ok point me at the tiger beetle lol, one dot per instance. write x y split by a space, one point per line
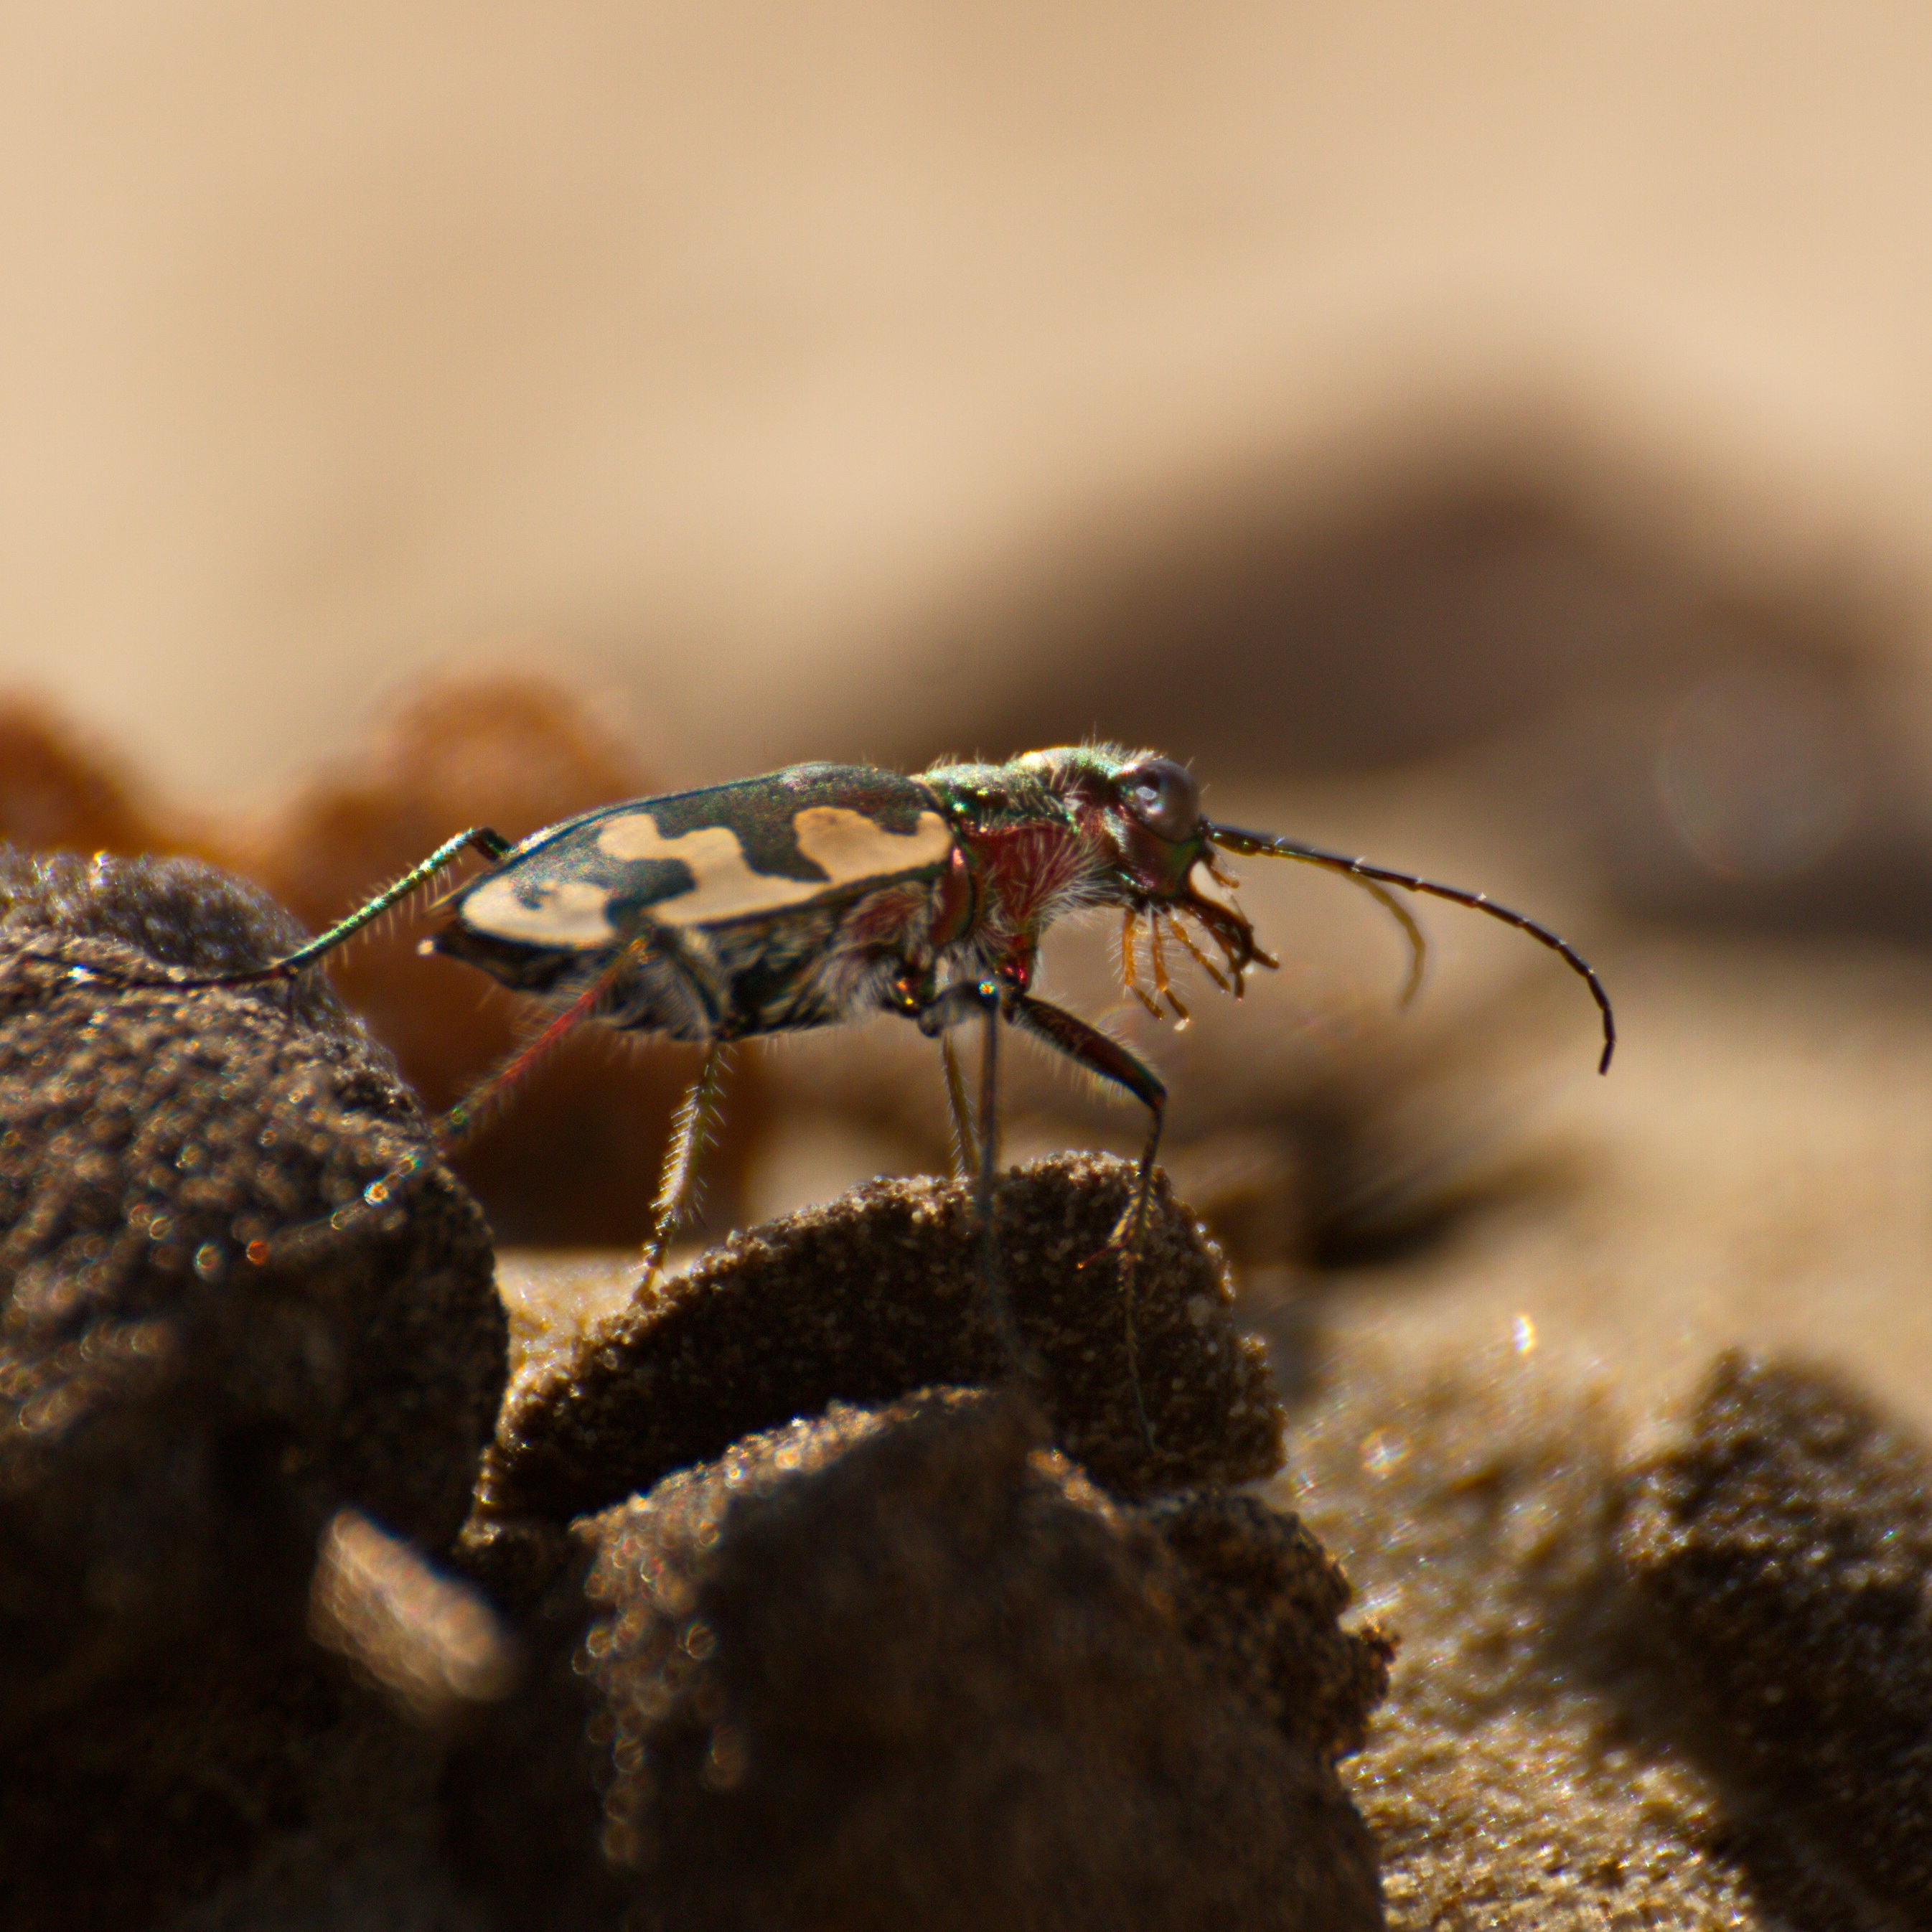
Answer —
823 893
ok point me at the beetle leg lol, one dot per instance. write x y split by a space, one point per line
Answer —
989 1160
479 839
961 1001
909 995
1086 1046
462 1119
965 1146
695 1120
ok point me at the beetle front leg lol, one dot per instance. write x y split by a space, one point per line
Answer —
961 1001
965 1142
1086 1046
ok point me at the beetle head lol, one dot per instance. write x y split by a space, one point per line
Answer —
1142 811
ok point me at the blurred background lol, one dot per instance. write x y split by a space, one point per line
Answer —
1497 438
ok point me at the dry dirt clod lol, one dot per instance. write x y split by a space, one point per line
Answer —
1785 1543
910 1667
178 1419
879 1294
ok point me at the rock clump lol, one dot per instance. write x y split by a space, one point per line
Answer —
806 1609
198 1371
1785 1542
880 1293
908 1666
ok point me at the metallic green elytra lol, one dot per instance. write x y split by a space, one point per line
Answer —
824 892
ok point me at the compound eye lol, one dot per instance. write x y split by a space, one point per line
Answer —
1164 797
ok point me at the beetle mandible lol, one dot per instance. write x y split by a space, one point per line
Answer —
824 892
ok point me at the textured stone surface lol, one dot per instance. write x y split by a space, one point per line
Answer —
1785 1542
1687 1692
878 1294
180 1419
911 1667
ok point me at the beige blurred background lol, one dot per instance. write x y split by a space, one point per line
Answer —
800 377
1491 435
1496 435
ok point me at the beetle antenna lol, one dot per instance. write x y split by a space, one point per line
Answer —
1418 943
1262 844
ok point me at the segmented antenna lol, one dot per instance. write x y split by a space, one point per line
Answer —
1265 845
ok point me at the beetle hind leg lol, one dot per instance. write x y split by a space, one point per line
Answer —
379 1196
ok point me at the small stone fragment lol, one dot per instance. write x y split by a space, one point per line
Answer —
879 1294
1785 1544
432 1641
910 1667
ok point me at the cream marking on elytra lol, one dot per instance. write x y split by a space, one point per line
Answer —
849 846
568 912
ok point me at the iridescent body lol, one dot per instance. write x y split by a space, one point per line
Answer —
823 893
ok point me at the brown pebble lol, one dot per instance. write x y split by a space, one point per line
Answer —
1785 1544
878 1294
177 1418
1261 1597
432 1642
910 1667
